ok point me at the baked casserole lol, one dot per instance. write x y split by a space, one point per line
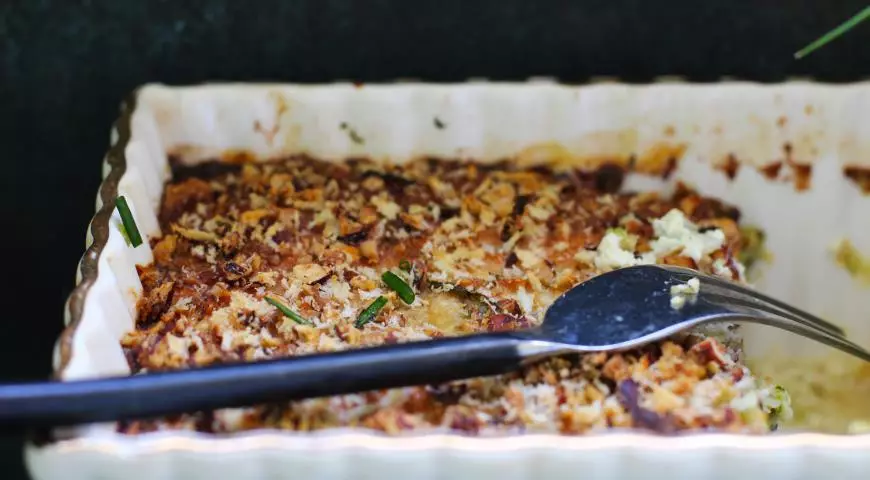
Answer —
296 256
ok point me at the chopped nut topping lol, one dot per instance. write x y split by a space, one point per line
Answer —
484 248
164 248
196 235
252 217
310 272
386 207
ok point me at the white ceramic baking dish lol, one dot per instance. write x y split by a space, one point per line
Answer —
707 132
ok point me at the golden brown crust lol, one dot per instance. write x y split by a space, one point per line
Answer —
490 247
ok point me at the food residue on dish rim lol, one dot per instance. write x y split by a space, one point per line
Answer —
802 171
771 170
799 173
730 166
853 261
859 175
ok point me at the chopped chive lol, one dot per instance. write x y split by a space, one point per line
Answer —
354 136
130 228
370 312
287 312
123 233
405 292
405 266
833 34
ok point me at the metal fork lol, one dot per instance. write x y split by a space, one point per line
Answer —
619 310
633 307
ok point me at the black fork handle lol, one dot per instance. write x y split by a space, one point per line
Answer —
58 403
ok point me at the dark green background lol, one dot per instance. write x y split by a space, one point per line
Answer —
66 65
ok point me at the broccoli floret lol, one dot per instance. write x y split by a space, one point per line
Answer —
777 404
752 248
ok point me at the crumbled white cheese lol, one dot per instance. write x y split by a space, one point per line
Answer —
675 232
511 242
178 345
230 417
683 292
611 255
322 217
588 414
526 301
745 402
586 257
741 271
260 354
527 258
705 394
327 343
438 276
672 233
266 278
412 335
348 311
211 254
540 401
240 302
539 213
197 340
336 289
534 281
692 287
270 233
720 268
386 207
377 292
369 273
183 303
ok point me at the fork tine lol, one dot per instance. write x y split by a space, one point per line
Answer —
732 301
774 304
748 302
761 300
801 329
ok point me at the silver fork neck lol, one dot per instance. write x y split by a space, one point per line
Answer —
534 350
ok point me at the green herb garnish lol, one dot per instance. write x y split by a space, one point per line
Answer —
352 133
848 257
405 292
833 34
752 247
778 406
370 312
405 266
287 312
131 231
